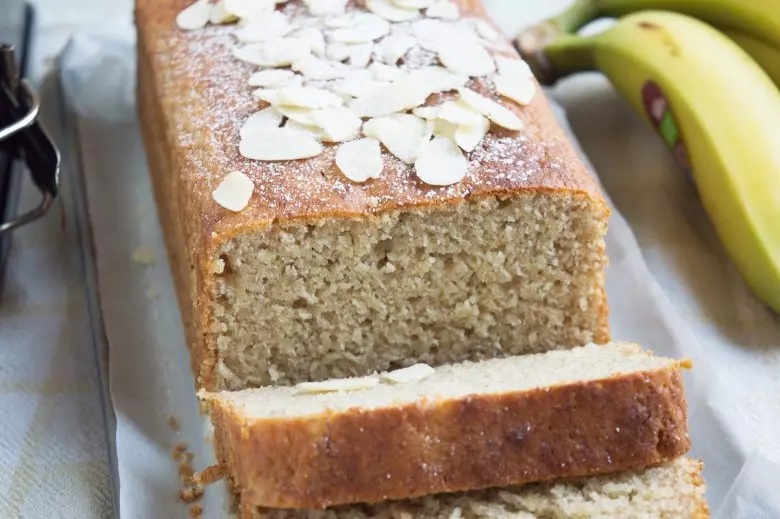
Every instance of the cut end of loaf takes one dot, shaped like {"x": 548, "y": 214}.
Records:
{"x": 465, "y": 281}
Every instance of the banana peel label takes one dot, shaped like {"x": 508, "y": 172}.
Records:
{"x": 664, "y": 123}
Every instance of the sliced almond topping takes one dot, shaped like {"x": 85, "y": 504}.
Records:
{"x": 466, "y": 57}
{"x": 459, "y": 113}
{"x": 439, "y": 79}
{"x": 426, "y": 112}
{"x": 220, "y": 15}
{"x": 384, "y": 72}
{"x": 312, "y": 132}
{"x": 413, "y": 4}
{"x": 468, "y": 137}
{"x": 307, "y": 97}
{"x": 338, "y": 124}
{"x": 395, "y": 47}
{"x": 515, "y": 68}
{"x": 249, "y": 9}
{"x": 267, "y": 118}
{"x": 279, "y": 144}
{"x": 357, "y": 86}
{"x": 346, "y": 20}
{"x": 400, "y": 96}
{"x": 270, "y": 77}
{"x": 485, "y": 30}
{"x": 521, "y": 91}
{"x": 410, "y": 374}
{"x": 497, "y": 113}
{"x": 360, "y": 55}
{"x": 391, "y": 12}
{"x": 234, "y": 192}
{"x": 401, "y": 134}
{"x": 368, "y": 30}
{"x": 360, "y": 160}
{"x": 196, "y": 16}
{"x": 442, "y": 128}
{"x": 266, "y": 94}
{"x": 431, "y": 34}
{"x": 297, "y": 114}
{"x": 441, "y": 163}
{"x": 271, "y": 25}
{"x": 325, "y": 7}
{"x": 337, "y": 384}
{"x": 280, "y": 52}
{"x": 314, "y": 38}
{"x": 338, "y": 51}
{"x": 316, "y": 68}
{"x": 443, "y": 9}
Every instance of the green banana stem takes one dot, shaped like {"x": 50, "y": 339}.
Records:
{"x": 576, "y": 16}
{"x": 569, "y": 54}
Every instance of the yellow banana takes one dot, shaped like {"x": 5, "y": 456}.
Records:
{"x": 765, "y": 54}
{"x": 716, "y": 108}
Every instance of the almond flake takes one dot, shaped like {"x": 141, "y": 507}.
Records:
{"x": 442, "y": 128}
{"x": 441, "y": 163}
{"x": 439, "y": 79}
{"x": 360, "y": 55}
{"x": 443, "y": 9}
{"x": 360, "y": 160}
{"x": 338, "y": 51}
{"x": 390, "y": 12}
{"x": 426, "y": 112}
{"x": 325, "y": 7}
{"x": 314, "y": 38}
{"x": 432, "y": 34}
{"x": 458, "y": 113}
{"x": 468, "y": 137}
{"x": 346, "y": 20}
{"x": 514, "y": 68}
{"x": 497, "y": 113}
{"x": 400, "y": 96}
{"x": 522, "y": 91}
{"x": 401, "y": 134}
{"x": 279, "y": 52}
{"x": 270, "y": 26}
{"x": 249, "y": 9}
{"x": 234, "y": 192}
{"x": 384, "y": 72}
{"x": 410, "y": 374}
{"x": 337, "y": 384}
{"x": 299, "y": 115}
{"x": 318, "y": 69}
{"x": 338, "y": 124}
{"x": 270, "y": 77}
{"x": 312, "y": 132}
{"x": 413, "y": 4}
{"x": 220, "y": 15}
{"x": 485, "y": 30}
{"x": 307, "y": 97}
{"x": 279, "y": 144}
{"x": 266, "y": 94}
{"x": 357, "y": 86}
{"x": 394, "y": 48}
{"x": 367, "y": 31}
{"x": 262, "y": 120}
{"x": 196, "y": 16}
{"x": 466, "y": 57}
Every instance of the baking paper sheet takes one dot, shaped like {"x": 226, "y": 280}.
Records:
{"x": 703, "y": 311}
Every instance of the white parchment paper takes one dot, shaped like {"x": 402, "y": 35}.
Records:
{"x": 693, "y": 304}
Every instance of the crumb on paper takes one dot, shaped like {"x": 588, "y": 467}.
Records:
{"x": 192, "y": 488}
{"x": 196, "y": 511}
{"x": 181, "y": 447}
{"x": 152, "y": 293}
{"x": 190, "y": 494}
{"x": 210, "y": 474}
{"x": 173, "y": 423}
{"x": 144, "y": 255}
{"x": 208, "y": 439}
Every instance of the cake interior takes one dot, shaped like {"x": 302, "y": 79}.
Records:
{"x": 470, "y": 280}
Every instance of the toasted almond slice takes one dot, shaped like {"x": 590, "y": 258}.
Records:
{"x": 441, "y": 163}
{"x": 497, "y": 113}
{"x": 468, "y": 137}
{"x": 313, "y": 132}
{"x": 360, "y": 55}
{"x": 307, "y": 97}
{"x": 401, "y": 134}
{"x": 442, "y": 128}
{"x": 427, "y": 112}
{"x": 234, "y": 192}
{"x": 485, "y": 30}
{"x": 515, "y": 68}
{"x": 357, "y": 86}
{"x": 400, "y": 96}
{"x": 367, "y": 31}
{"x": 271, "y": 25}
{"x": 360, "y": 160}
{"x": 318, "y": 69}
{"x": 521, "y": 91}
{"x": 338, "y": 384}
{"x": 459, "y": 113}
{"x": 314, "y": 37}
{"x": 326, "y": 7}
{"x": 446, "y": 9}
{"x": 395, "y": 47}
{"x": 297, "y": 114}
{"x": 270, "y": 77}
{"x": 279, "y": 52}
{"x": 279, "y": 144}
{"x": 413, "y": 4}
{"x": 249, "y": 9}
{"x": 195, "y": 16}
{"x": 410, "y": 374}
{"x": 391, "y": 12}
{"x": 338, "y": 124}
{"x": 265, "y": 119}
{"x": 466, "y": 57}
{"x": 439, "y": 79}
{"x": 384, "y": 72}
{"x": 220, "y": 15}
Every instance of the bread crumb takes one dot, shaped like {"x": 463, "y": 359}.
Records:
{"x": 196, "y": 511}
{"x": 190, "y": 494}
{"x": 144, "y": 255}
{"x": 180, "y": 447}
{"x": 173, "y": 423}
{"x": 209, "y": 475}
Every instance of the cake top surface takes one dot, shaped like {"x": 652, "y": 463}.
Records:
{"x": 204, "y": 91}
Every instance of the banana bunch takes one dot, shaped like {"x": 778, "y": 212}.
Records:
{"x": 710, "y": 91}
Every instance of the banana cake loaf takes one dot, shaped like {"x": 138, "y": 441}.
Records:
{"x": 349, "y": 187}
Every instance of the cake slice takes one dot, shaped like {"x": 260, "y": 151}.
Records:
{"x": 589, "y": 410}
{"x": 306, "y": 269}
{"x": 673, "y": 490}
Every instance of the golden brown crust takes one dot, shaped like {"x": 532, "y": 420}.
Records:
{"x": 624, "y": 422}
{"x": 200, "y": 98}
